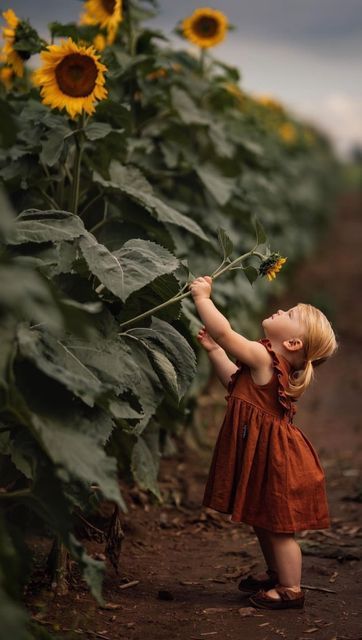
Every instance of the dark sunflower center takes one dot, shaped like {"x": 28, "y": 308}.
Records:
{"x": 108, "y": 5}
{"x": 206, "y": 27}
{"x": 76, "y": 75}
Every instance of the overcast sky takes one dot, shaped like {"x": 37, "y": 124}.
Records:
{"x": 307, "y": 53}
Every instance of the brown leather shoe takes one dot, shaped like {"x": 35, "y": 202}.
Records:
{"x": 289, "y": 599}
{"x": 252, "y": 584}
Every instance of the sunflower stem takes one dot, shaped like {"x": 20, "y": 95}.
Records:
{"x": 202, "y": 60}
{"x": 181, "y": 296}
{"x": 77, "y": 166}
{"x": 131, "y": 38}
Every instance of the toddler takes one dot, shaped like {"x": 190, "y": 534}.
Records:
{"x": 264, "y": 471}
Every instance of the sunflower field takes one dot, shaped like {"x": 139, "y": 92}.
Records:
{"x": 128, "y": 167}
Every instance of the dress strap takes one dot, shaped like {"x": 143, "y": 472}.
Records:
{"x": 282, "y": 368}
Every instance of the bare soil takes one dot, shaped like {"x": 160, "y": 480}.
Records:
{"x": 181, "y": 563}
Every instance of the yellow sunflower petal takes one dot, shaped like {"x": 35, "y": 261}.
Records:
{"x": 105, "y": 13}
{"x": 9, "y": 54}
{"x": 205, "y": 27}
{"x": 71, "y": 77}
{"x": 11, "y": 18}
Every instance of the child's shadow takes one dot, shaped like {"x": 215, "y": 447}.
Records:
{"x": 210, "y": 595}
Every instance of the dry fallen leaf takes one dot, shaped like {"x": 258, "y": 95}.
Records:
{"x": 312, "y": 630}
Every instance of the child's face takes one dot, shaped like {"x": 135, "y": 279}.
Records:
{"x": 283, "y": 325}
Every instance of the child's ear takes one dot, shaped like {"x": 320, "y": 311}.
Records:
{"x": 293, "y": 344}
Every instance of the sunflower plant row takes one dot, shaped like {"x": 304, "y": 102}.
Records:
{"x": 129, "y": 167}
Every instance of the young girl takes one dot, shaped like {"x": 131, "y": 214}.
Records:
{"x": 264, "y": 470}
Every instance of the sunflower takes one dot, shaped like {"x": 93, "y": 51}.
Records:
{"x": 287, "y": 132}
{"x": 6, "y": 77}
{"x": 271, "y": 265}
{"x": 107, "y": 14}
{"x": 205, "y": 27}
{"x": 235, "y": 91}
{"x": 10, "y": 55}
{"x": 71, "y": 77}
{"x": 270, "y": 103}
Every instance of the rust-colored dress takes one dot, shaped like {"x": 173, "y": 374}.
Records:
{"x": 264, "y": 471}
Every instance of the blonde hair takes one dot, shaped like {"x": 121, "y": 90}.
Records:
{"x": 319, "y": 343}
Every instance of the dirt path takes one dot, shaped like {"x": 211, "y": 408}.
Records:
{"x": 195, "y": 557}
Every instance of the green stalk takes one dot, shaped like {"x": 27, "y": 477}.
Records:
{"x": 202, "y": 60}
{"x": 181, "y": 296}
{"x": 74, "y": 199}
{"x": 22, "y": 493}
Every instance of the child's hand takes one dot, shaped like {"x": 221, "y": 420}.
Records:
{"x": 201, "y": 287}
{"x": 206, "y": 341}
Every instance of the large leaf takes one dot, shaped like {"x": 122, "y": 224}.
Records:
{"x": 103, "y": 264}
{"x": 187, "y": 109}
{"x": 14, "y": 618}
{"x": 45, "y": 226}
{"x": 28, "y": 295}
{"x": 148, "y": 385}
{"x": 55, "y": 359}
{"x": 71, "y": 435}
{"x": 128, "y": 269}
{"x": 159, "y": 291}
{"x": 163, "y": 342}
{"x": 74, "y": 363}
{"x": 52, "y": 506}
{"x": 131, "y": 183}
{"x": 97, "y": 130}
{"x": 142, "y": 262}
{"x": 219, "y": 186}
{"x": 143, "y": 467}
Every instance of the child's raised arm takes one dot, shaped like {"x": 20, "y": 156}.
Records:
{"x": 223, "y": 366}
{"x": 218, "y": 327}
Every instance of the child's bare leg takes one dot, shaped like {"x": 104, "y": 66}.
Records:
{"x": 267, "y": 550}
{"x": 288, "y": 558}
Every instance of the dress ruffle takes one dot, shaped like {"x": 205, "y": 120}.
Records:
{"x": 283, "y": 374}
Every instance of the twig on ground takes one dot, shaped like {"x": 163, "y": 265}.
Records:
{"x": 308, "y": 586}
